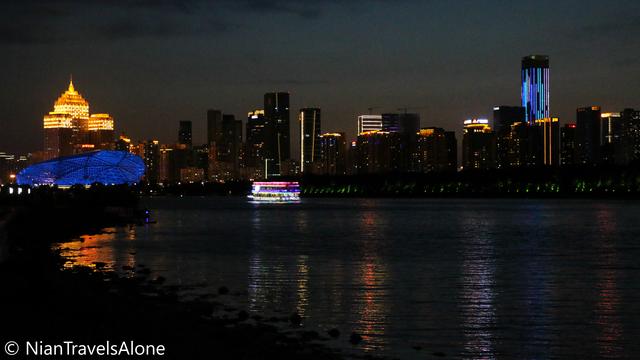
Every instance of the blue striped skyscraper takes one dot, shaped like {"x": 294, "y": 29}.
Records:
{"x": 535, "y": 87}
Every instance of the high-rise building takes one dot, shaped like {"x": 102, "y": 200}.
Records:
{"x": 568, "y": 147}
{"x": 310, "y": 125}
{"x": 367, "y": 123}
{"x": 588, "y": 135}
{"x": 276, "y": 112}
{"x": 185, "y": 135}
{"x": 433, "y": 153}
{"x": 610, "y": 137}
{"x": 548, "y": 141}
{"x": 70, "y": 129}
{"x": 256, "y": 150}
{"x": 629, "y": 151}
{"x": 520, "y": 146}
{"x": 333, "y": 156}
{"x": 478, "y": 145}
{"x": 62, "y": 126}
{"x": 214, "y": 126}
{"x": 503, "y": 118}
{"x": 152, "y": 161}
{"x": 378, "y": 152}
{"x": 535, "y": 87}
{"x": 100, "y": 131}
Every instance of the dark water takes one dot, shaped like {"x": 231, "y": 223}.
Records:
{"x": 474, "y": 279}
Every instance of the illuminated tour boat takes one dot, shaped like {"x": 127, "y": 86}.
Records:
{"x": 275, "y": 191}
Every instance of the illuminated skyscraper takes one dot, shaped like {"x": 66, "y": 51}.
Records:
{"x": 70, "y": 129}
{"x": 310, "y": 125}
{"x": 368, "y": 123}
{"x": 535, "y": 87}
{"x": 548, "y": 145}
{"x": 610, "y": 137}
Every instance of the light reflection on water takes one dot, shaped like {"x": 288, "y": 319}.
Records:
{"x": 475, "y": 279}
{"x": 477, "y": 284}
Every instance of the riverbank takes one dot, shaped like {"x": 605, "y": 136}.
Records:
{"x": 41, "y": 301}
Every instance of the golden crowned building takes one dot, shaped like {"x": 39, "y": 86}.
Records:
{"x": 70, "y": 129}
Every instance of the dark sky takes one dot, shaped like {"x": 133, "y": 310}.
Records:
{"x": 153, "y": 63}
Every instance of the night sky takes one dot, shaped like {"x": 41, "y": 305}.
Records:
{"x": 153, "y": 63}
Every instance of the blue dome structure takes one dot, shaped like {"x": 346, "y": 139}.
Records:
{"x": 103, "y": 166}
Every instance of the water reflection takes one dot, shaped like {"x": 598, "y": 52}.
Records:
{"x": 372, "y": 277}
{"x": 276, "y": 281}
{"x": 608, "y": 300}
{"x": 90, "y": 250}
{"x": 477, "y": 289}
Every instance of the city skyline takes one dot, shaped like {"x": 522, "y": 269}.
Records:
{"x": 412, "y": 64}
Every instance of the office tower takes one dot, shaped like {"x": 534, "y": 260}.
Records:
{"x": 407, "y": 125}
{"x": 185, "y": 136}
{"x": 333, "y": 154}
{"x": 433, "y": 153}
{"x": 629, "y": 151}
{"x": 100, "y": 131}
{"x": 256, "y": 151}
{"x": 369, "y": 123}
{"x": 214, "y": 126}
{"x": 378, "y": 152}
{"x": 503, "y": 118}
{"x": 152, "y": 161}
{"x": 610, "y": 137}
{"x": 276, "y": 112}
{"x": 568, "y": 155}
{"x": 535, "y": 87}
{"x": 231, "y": 153}
{"x": 310, "y": 125}
{"x": 478, "y": 145}
{"x": 547, "y": 143}
{"x": 588, "y": 135}
{"x": 520, "y": 149}
{"x": 62, "y": 126}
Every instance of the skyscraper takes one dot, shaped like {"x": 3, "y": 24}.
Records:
{"x": 503, "y": 118}
{"x": 478, "y": 145}
{"x": 214, "y": 126}
{"x": 535, "y": 87}
{"x": 368, "y": 123}
{"x": 568, "y": 156}
{"x": 433, "y": 150}
{"x": 70, "y": 129}
{"x": 152, "y": 161}
{"x": 276, "y": 112}
{"x": 588, "y": 135}
{"x": 630, "y": 144}
{"x": 333, "y": 157}
{"x": 548, "y": 141}
{"x": 610, "y": 137}
{"x": 185, "y": 136}
{"x": 310, "y": 125}
{"x": 256, "y": 143}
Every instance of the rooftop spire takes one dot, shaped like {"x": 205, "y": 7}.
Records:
{"x": 71, "y": 89}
